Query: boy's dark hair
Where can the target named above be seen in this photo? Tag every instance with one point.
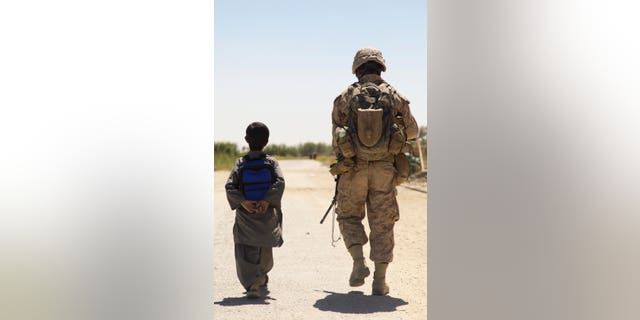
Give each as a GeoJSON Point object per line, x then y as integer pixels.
{"type": "Point", "coordinates": [369, 67]}
{"type": "Point", "coordinates": [257, 136]}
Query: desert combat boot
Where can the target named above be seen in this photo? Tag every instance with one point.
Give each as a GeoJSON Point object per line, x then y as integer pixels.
{"type": "Point", "coordinates": [360, 270]}
{"type": "Point", "coordinates": [379, 286]}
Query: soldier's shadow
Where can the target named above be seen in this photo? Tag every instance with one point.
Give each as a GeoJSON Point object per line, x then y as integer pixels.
{"type": "Point", "coordinates": [241, 301]}
{"type": "Point", "coordinates": [357, 302]}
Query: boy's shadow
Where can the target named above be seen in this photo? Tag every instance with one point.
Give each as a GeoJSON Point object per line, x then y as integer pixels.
{"type": "Point", "coordinates": [357, 302]}
{"type": "Point", "coordinates": [241, 301]}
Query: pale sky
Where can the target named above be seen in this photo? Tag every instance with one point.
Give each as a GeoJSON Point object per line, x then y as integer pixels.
{"type": "Point", "coordinates": [283, 62]}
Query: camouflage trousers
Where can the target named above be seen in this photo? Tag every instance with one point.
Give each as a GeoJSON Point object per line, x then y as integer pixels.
{"type": "Point", "coordinates": [371, 185]}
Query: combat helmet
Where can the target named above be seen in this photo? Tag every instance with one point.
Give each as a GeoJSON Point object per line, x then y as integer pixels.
{"type": "Point", "coordinates": [367, 54]}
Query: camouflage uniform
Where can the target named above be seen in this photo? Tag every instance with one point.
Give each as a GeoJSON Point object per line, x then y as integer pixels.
{"type": "Point", "coordinates": [370, 184]}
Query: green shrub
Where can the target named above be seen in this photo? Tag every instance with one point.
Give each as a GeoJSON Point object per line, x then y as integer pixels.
{"type": "Point", "coordinates": [224, 155]}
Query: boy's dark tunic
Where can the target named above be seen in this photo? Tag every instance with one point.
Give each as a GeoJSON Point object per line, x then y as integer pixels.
{"type": "Point", "coordinates": [255, 234]}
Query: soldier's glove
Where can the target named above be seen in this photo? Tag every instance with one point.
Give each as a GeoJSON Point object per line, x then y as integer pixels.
{"type": "Point", "coordinates": [342, 166]}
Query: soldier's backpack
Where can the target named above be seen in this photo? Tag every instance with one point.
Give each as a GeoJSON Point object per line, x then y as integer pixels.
{"type": "Point", "coordinates": [255, 177]}
{"type": "Point", "coordinates": [372, 121]}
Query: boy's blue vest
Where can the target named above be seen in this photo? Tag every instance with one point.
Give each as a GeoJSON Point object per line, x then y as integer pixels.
{"type": "Point", "coordinates": [256, 177]}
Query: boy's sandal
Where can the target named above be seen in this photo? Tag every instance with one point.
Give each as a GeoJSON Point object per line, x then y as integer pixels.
{"type": "Point", "coordinates": [253, 294]}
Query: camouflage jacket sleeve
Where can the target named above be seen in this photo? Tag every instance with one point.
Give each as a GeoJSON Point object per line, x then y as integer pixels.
{"type": "Point", "coordinates": [274, 194]}
{"type": "Point", "coordinates": [410, 125]}
{"type": "Point", "coordinates": [339, 115]}
{"type": "Point", "coordinates": [234, 194]}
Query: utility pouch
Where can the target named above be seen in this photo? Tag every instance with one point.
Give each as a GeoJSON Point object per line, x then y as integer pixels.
{"type": "Point", "coordinates": [397, 140]}
{"type": "Point", "coordinates": [370, 126]}
{"type": "Point", "coordinates": [401, 163]}
{"type": "Point", "coordinates": [407, 147]}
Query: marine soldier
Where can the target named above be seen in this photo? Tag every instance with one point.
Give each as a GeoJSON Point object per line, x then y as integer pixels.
{"type": "Point", "coordinates": [371, 125]}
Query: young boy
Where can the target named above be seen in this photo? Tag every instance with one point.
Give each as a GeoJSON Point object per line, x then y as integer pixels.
{"type": "Point", "coordinates": [254, 189]}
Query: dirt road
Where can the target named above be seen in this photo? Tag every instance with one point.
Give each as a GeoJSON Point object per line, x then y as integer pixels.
{"type": "Point", "coordinates": [310, 277]}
